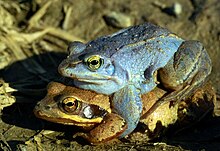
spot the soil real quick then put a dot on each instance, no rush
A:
(34, 36)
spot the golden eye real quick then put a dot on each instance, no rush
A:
(94, 62)
(70, 104)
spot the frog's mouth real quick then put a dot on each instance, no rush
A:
(67, 121)
(92, 80)
(65, 70)
(95, 79)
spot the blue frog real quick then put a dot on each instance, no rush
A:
(133, 61)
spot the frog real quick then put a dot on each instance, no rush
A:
(174, 119)
(88, 110)
(92, 112)
(132, 62)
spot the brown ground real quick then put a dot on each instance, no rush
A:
(33, 40)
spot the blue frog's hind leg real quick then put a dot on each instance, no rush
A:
(127, 103)
(184, 73)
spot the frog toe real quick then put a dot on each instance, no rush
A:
(127, 103)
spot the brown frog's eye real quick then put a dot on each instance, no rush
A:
(70, 104)
(94, 62)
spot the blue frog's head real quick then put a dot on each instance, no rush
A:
(91, 68)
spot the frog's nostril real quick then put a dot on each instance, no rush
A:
(72, 65)
(47, 107)
(37, 105)
(63, 65)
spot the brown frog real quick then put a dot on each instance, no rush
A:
(184, 114)
(89, 110)
(92, 111)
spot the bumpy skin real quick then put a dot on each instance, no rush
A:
(131, 58)
(184, 73)
(91, 111)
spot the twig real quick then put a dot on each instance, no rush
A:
(38, 15)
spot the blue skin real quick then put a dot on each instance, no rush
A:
(130, 59)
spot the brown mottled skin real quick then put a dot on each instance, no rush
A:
(105, 126)
(50, 108)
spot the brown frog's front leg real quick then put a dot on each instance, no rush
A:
(111, 127)
(184, 73)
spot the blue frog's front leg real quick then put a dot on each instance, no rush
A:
(127, 103)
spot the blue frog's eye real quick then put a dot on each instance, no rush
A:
(94, 62)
